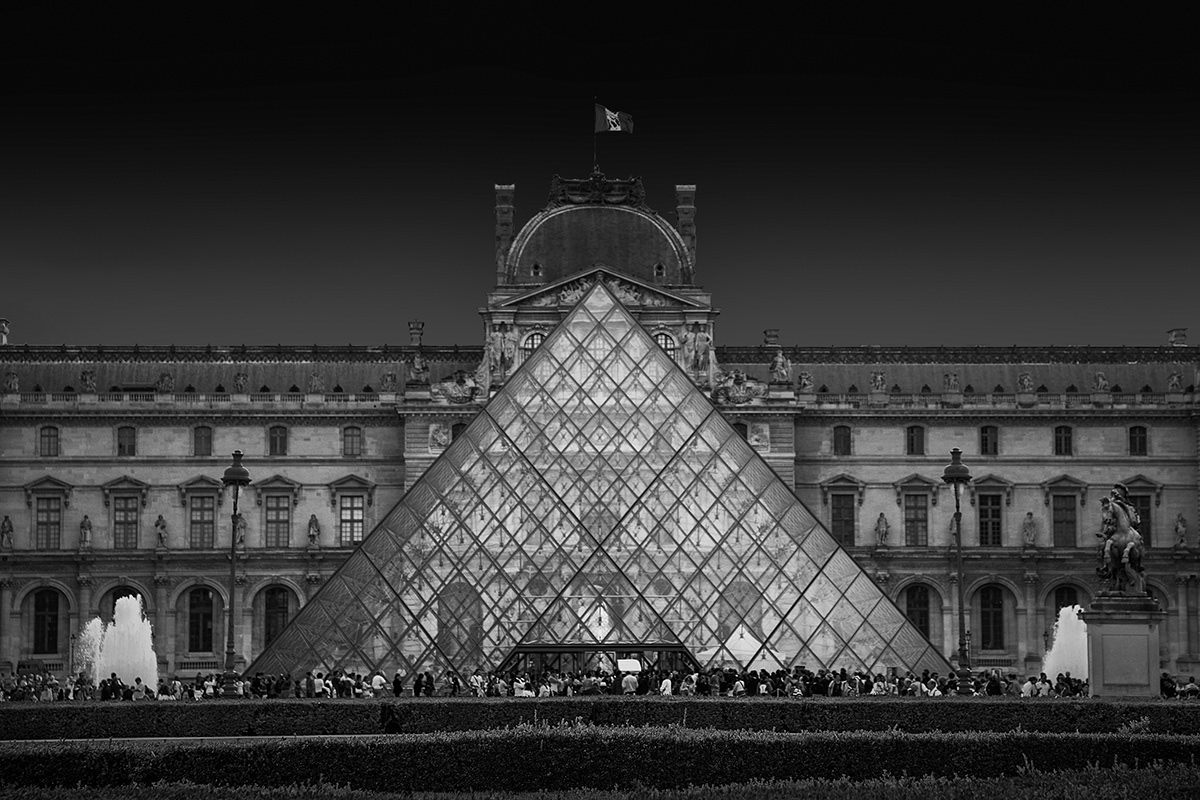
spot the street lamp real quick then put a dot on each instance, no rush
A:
(236, 476)
(957, 475)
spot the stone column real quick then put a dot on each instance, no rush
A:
(1026, 616)
(950, 616)
(8, 651)
(1180, 639)
(161, 641)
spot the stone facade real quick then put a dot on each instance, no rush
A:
(334, 436)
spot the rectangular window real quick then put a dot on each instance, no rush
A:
(352, 518)
(916, 440)
(991, 618)
(842, 518)
(1063, 506)
(277, 438)
(203, 522)
(49, 523)
(352, 440)
(202, 441)
(916, 520)
(841, 440)
(1142, 503)
(1137, 440)
(127, 441)
(125, 522)
(989, 520)
(279, 520)
(1062, 440)
(48, 444)
(989, 440)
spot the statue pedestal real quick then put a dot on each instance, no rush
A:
(1122, 644)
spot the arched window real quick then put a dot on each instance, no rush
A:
(916, 607)
(666, 342)
(200, 620)
(277, 438)
(842, 443)
(915, 440)
(1138, 440)
(275, 617)
(48, 442)
(532, 342)
(991, 618)
(45, 621)
(1062, 440)
(1065, 596)
(352, 441)
(457, 429)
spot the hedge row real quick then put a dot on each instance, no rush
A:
(1168, 782)
(529, 758)
(312, 717)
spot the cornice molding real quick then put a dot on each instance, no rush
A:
(1164, 354)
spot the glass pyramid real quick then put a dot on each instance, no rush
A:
(598, 503)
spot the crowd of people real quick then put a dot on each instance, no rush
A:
(798, 683)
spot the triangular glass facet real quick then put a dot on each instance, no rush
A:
(598, 503)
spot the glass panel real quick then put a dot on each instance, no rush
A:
(599, 503)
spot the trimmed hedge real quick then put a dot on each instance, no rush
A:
(1169, 782)
(316, 717)
(531, 758)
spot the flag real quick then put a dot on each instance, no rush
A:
(610, 121)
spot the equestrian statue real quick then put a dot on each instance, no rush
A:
(1121, 546)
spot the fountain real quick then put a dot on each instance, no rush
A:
(1068, 648)
(124, 646)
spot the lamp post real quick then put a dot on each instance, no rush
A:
(957, 475)
(236, 476)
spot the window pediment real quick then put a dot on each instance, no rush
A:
(351, 484)
(917, 483)
(1064, 484)
(48, 485)
(1140, 484)
(842, 483)
(994, 484)
(201, 483)
(279, 484)
(126, 484)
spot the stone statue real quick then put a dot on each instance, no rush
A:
(508, 347)
(3, 331)
(87, 379)
(1175, 382)
(1100, 382)
(316, 384)
(1180, 530)
(1029, 530)
(239, 527)
(697, 344)
(806, 382)
(160, 527)
(418, 371)
(1025, 382)
(85, 533)
(461, 387)
(950, 382)
(781, 368)
(389, 381)
(737, 388)
(165, 383)
(878, 382)
(241, 383)
(1121, 545)
(6, 532)
(12, 384)
(314, 531)
(881, 530)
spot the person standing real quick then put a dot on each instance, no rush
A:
(397, 685)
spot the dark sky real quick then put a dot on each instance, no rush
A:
(862, 181)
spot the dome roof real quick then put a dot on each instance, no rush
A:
(598, 221)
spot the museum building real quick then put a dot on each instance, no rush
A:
(599, 478)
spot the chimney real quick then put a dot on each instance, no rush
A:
(415, 329)
(1177, 337)
(504, 226)
(685, 212)
(771, 336)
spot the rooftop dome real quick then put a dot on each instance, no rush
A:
(598, 221)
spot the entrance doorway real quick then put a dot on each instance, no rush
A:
(539, 659)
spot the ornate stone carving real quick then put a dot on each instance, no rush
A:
(1031, 578)
(87, 380)
(312, 578)
(805, 385)
(596, 189)
(881, 530)
(950, 382)
(6, 533)
(85, 533)
(418, 369)
(439, 436)
(461, 387)
(162, 580)
(6, 583)
(12, 384)
(1180, 530)
(165, 383)
(878, 381)
(389, 381)
(160, 528)
(84, 580)
(1025, 382)
(738, 389)
(781, 367)
(758, 434)
(240, 579)
(1099, 382)
(316, 384)
(1029, 530)
(1121, 545)
(241, 383)
(314, 531)
(882, 577)
(1175, 382)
